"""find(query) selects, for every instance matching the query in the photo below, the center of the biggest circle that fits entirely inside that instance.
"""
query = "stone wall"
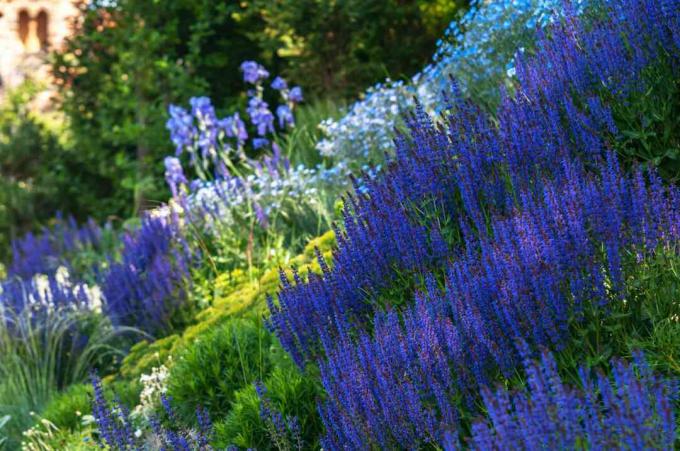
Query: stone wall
(28, 30)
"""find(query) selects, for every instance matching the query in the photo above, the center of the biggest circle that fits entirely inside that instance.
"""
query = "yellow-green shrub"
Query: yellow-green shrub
(246, 299)
(207, 372)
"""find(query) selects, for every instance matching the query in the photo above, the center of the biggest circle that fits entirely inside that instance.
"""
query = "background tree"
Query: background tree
(129, 59)
(343, 46)
(125, 63)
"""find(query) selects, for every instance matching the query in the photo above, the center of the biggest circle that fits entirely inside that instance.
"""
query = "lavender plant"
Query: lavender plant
(631, 410)
(115, 428)
(148, 287)
(479, 167)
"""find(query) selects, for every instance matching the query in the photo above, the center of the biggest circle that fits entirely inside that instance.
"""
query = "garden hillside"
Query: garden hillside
(480, 252)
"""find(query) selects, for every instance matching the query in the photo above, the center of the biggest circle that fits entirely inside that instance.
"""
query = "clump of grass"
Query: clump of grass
(40, 358)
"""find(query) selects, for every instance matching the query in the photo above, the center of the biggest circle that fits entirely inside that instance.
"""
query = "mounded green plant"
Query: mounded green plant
(66, 409)
(293, 395)
(208, 371)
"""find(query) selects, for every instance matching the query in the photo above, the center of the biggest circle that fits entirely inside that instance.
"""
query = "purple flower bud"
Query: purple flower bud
(253, 72)
(258, 143)
(295, 94)
(285, 116)
(279, 84)
(174, 174)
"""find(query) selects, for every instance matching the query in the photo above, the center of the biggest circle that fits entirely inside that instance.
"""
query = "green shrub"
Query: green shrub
(646, 319)
(66, 409)
(210, 370)
(117, 76)
(291, 393)
(649, 122)
(32, 162)
(344, 46)
(144, 356)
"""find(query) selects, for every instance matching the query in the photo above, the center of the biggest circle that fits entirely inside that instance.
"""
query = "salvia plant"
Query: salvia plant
(43, 293)
(632, 409)
(49, 250)
(479, 169)
(530, 281)
(512, 224)
(284, 432)
(147, 287)
(116, 430)
(635, 413)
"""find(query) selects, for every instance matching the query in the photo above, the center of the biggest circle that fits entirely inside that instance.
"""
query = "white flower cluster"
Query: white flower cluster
(153, 386)
(478, 51)
(224, 202)
(45, 292)
(367, 126)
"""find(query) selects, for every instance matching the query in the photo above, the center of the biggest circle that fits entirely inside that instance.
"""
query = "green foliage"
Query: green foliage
(649, 122)
(646, 319)
(39, 360)
(209, 370)
(292, 393)
(344, 46)
(3, 421)
(129, 59)
(66, 409)
(46, 436)
(144, 356)
(33, 161)
(126, 62)
(299, 143)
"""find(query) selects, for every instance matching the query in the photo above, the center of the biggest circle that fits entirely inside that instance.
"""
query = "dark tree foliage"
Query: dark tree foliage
(129, 59)
(342, 46)
(33, 167)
